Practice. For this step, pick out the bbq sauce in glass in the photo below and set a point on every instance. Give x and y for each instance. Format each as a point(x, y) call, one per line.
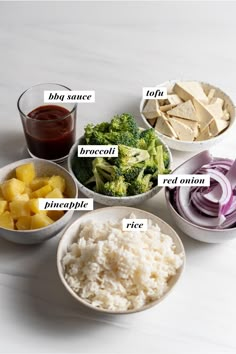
point(50, 132)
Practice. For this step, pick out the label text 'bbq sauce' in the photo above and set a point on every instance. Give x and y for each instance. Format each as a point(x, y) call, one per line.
point(50, 132)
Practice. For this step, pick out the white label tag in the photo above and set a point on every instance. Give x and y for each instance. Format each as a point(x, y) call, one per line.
point(134, 224)
point(69, 96)
point(98, 150)
point(183, 180)
point(154, 93)
point(65, 204)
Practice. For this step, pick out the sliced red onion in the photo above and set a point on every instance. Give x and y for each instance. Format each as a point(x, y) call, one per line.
point(214, 206)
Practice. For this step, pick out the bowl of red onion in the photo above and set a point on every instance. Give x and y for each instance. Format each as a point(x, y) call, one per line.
point(206, 213)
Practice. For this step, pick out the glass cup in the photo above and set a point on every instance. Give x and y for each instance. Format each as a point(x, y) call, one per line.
point(49, 128)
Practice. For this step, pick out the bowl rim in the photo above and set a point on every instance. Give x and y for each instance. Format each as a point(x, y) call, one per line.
point(147, 306)
point(132, 197)
point(167, 138)
point(29, 232)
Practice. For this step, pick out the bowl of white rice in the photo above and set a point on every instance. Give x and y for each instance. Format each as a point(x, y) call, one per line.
point(117, 271)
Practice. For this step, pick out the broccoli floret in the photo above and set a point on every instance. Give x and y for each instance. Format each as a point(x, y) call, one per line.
point(95, 134)
point(116, 188)
point(121, 138)
point(141, 184)
point(82, 168)
point(129, 156)
point(98, 179)
point(124, 123)
point(106, 170)
point(166, 159)
point(148, 136)
point(131, 173)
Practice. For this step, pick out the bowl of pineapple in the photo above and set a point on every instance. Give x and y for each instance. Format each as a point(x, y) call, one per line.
point(22, 183)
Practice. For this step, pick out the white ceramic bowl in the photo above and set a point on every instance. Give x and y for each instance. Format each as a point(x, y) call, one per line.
point(107, 200)
point(115, 214)
point(43, 168)
point(194, 231)
point(195, 146)
point(199, 233)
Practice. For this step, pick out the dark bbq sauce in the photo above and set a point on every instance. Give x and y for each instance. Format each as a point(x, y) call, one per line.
point(48, 135)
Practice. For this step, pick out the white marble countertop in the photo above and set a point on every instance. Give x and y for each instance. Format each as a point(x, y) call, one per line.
point(115, 49)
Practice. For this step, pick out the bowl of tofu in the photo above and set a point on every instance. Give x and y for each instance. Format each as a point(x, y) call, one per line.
point(193, 117)
point(22, 184)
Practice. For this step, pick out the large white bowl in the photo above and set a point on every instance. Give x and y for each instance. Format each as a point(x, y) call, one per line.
point(112, 201)
point(43, 168)
point(104, 215)
point(195, 146)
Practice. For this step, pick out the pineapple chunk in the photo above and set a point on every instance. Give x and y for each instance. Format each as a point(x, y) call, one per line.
point(23, 223)
point(19, 208)
point(34, 206)
point(11, 188)
point(41, 192)
point(58, 182)
point(23, 196)
point(3, 206)
point(39, 182)
point(25, 173)
point(28, 191)
point(55, 214)
point(6, 220)
point(40, 220)
point(55, 193)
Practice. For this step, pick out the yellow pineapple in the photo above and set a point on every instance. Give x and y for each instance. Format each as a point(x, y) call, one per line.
point(58, 182)
point(40, 220)
point(19, 208)
point(55, 193)
point(34, 206)
point(23, 223)
point(25, 173)
point(6, 220)
point(11, 188)
point(39, 182)
point(41, 192)
point(3, 206)
point(55, 214)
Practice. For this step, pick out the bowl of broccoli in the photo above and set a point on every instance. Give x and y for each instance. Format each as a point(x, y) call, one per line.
point(130, 178)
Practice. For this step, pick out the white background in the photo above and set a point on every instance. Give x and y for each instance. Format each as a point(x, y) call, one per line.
point(115, 49)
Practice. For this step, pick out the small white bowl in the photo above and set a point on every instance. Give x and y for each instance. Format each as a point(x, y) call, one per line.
point(112, 201)
point(43, 168)
point(195, 146)
point(115, 214)
point(197, 232)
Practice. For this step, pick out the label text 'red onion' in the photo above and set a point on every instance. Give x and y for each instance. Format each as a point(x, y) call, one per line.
point(65, 204)
point(183, 180)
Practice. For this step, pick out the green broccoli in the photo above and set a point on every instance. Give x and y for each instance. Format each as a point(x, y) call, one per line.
point(125, 122)
point(82, 168)
point(141, 184)
point(107, 171)
point(98, 179)
point(116, 188)
point(129, 156)
point(131, 173)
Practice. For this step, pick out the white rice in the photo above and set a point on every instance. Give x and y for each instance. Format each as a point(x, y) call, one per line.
point(120, 270)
